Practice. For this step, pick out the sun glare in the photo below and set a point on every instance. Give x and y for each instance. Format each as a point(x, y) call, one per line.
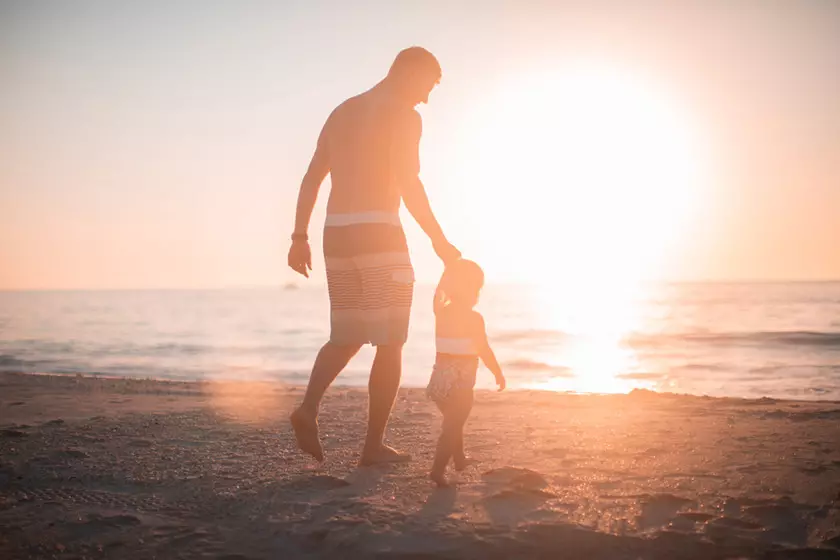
point(594, 172)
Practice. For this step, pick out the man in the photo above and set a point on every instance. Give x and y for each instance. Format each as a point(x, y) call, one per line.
point(370, 145)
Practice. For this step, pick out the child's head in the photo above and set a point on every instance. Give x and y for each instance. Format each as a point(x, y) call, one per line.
point(462, 282)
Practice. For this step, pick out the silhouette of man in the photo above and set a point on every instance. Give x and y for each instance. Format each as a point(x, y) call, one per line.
point(370, 145)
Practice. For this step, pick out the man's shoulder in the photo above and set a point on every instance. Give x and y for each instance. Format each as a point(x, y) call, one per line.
point(371, 104)
point(342, 115)
point(345, 106)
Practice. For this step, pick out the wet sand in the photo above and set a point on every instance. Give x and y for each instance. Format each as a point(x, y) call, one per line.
point(104, 468)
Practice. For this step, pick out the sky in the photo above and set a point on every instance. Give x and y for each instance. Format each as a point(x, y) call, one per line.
point(161, 144)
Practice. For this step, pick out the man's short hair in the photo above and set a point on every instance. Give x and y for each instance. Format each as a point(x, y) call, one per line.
point(413, 60)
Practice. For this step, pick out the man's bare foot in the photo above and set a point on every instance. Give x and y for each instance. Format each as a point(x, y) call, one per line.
point(306, 433)
point(463, 463)
point(383, 455)
point(440, 480)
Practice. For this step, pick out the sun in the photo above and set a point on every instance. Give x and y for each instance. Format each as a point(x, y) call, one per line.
point(581, 180)
point(585, 171)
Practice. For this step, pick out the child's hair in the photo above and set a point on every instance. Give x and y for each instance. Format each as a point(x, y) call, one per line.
point(461, 282)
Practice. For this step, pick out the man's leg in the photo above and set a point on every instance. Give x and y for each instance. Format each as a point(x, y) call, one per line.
point(332, 358)
point(383, 386)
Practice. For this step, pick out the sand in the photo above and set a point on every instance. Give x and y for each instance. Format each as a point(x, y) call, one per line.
point(105, 468)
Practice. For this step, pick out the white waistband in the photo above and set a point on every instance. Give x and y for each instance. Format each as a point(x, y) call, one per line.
point(337, 220)
point(460, 346)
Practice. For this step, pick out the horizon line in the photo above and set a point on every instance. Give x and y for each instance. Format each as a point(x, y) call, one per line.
point(292, 285)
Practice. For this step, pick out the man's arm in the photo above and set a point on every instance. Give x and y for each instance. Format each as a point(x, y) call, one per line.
point(417, 203)
point(319, 166)
point(407, 174)
point(300, 256)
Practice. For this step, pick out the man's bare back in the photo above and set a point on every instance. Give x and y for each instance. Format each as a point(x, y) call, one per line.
point(372, 142)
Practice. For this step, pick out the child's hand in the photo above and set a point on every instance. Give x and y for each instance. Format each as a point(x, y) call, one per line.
point(500, 381)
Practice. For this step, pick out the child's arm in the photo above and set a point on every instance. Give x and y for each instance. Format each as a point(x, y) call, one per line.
point(486, 353)
point(438, 302)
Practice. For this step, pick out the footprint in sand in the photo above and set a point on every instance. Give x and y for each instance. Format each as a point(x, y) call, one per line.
point(512, 507)
point(516, 477)
point(12, 433)
point(733, 529)
point(94, 519)
point(317, 483)
point(661, 509)
point(771, 515)
point(781, 521)
point(73, 454)
point(523, 491)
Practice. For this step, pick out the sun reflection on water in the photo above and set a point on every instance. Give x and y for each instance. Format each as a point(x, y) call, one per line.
point(596, 320)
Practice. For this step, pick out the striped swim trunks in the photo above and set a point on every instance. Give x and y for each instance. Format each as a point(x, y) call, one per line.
point(370, 278)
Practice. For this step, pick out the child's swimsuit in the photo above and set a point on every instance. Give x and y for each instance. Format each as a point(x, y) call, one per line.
point(455, 367)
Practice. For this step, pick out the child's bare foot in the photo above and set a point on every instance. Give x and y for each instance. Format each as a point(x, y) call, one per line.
point(439, 479)
point(463, 463)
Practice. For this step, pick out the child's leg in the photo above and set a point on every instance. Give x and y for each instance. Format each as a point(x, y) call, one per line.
point(455, 413)
point(458, 456)
point(444, 448)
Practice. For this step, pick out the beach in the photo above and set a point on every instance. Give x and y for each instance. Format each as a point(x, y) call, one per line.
point(122, 468)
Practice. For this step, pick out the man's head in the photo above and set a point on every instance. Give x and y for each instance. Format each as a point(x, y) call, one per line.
point(414, 74)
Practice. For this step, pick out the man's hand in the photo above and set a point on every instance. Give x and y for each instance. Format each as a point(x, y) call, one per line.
point(501, 382)
point(300, 257)
point(446, 251)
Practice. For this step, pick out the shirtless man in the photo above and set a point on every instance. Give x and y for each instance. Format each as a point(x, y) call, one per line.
point(370, 145)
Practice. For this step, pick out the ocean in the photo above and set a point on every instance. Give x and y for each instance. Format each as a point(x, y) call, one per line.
point(779, 340)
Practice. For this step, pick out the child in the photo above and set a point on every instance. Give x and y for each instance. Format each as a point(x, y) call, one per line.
point(461, 340)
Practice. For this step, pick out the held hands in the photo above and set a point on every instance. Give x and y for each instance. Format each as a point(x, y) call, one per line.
point(300, 257)
point(446, 251)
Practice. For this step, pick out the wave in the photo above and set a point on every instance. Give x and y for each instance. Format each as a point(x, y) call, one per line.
point(793, 338)
point(10, 361)
point(533, 365)
point(11, 364)
point(640, 376)
point(529, 334)
point(827, 339)
point(47, 347)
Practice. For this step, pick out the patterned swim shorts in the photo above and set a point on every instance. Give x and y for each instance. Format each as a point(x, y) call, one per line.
point(450, 373)
point(370, 279)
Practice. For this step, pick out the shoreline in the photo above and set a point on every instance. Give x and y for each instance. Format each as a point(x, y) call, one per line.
point(134, 468)
point(340, 386)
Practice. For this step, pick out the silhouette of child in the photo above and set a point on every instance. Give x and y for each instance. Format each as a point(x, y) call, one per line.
point(461, 340)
